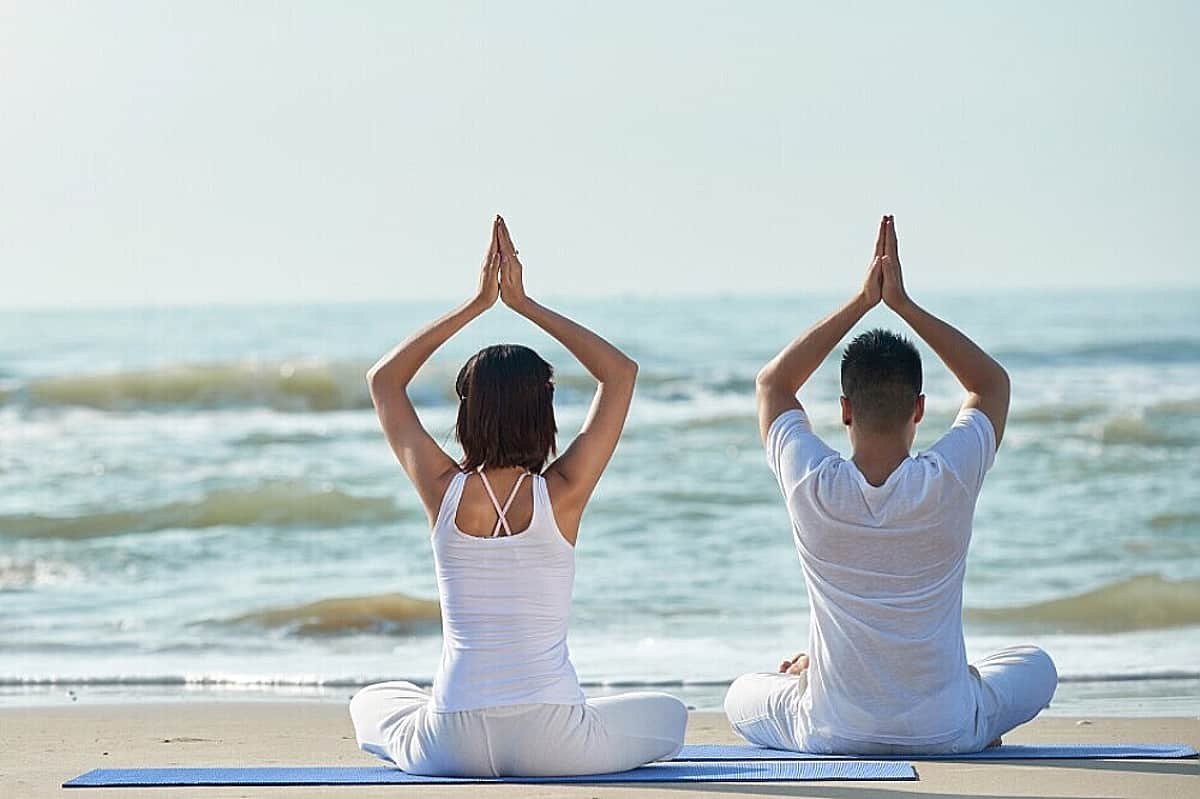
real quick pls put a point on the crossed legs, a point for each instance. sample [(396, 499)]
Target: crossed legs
[(1011, 686), (395, 722)]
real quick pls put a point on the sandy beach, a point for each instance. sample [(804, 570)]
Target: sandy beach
[(44, 746)]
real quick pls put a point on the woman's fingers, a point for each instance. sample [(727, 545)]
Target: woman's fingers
[(494, 243), (505, 238)]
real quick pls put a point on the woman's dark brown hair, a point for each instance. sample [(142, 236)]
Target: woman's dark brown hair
[(506, 409)]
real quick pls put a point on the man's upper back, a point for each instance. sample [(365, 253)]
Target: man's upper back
[(884, 567)]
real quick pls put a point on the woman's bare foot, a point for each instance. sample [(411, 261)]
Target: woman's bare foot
[(796, 664)]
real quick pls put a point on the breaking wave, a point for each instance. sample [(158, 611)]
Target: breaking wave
[(289, 385), (1157, 351), (283, 385), (18, 575), (1133, 430), (301, 681), (1161, 521), (280, 504), (385, 613), (1053, 413), (1175, 408), (1145, 602)]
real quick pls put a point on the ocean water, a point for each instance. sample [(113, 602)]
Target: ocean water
[(201, 498)]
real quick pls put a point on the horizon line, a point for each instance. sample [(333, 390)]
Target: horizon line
[(772, 294)]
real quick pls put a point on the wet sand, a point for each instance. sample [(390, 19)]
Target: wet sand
[(45, 746)]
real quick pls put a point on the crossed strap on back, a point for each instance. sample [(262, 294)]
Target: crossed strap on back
[(501, 521)]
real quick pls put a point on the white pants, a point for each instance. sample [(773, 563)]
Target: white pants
[(1011, 687), (395, 721)]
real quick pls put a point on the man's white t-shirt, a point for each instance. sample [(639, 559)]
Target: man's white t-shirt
[(884, 567)]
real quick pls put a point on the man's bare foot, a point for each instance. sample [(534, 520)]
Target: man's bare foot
[(796, 664), (996, 744)]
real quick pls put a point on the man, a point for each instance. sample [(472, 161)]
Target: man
[(883, 542)]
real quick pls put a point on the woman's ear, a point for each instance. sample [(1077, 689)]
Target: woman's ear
[(847, 414)]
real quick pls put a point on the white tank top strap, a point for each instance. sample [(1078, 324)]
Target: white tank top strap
[(543, 509), (501, 511), (450, 500)]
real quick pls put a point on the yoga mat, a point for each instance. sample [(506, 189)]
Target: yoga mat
[(715, 752), (727, 771)]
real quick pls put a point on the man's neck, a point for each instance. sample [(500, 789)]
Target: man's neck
[(878, 456)]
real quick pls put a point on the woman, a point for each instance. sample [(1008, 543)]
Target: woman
[(506, 701)]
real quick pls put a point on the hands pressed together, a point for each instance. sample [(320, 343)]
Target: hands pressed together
[(884, 279), (500, 276), (501, 273)]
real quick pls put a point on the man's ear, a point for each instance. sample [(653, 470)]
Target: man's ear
[(847, 414), (920, 411)]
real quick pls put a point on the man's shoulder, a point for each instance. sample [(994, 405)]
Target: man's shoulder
[(965, 452), (936, 468)]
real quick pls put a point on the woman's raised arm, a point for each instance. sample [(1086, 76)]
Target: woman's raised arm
[(426, 463), (574, 474)]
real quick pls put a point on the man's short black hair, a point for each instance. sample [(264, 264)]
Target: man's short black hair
[(881, 376)]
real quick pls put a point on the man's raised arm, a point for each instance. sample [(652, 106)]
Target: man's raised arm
[(782, 377), (984, 379)]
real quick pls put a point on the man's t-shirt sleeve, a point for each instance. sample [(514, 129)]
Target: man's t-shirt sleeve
[(968, 448), (793, 449)]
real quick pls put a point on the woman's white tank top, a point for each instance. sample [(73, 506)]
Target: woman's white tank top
[(505, 603)]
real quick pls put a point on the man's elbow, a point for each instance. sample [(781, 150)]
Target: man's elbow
[(628, 370), (1001, 383), (996, 385)]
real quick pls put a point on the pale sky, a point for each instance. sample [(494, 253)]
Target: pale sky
[(172, 152)]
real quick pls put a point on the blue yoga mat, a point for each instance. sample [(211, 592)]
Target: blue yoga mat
[(720, 752), (725, 771)]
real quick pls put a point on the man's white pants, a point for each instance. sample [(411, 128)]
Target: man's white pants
[(1011, 687), (395, 721)]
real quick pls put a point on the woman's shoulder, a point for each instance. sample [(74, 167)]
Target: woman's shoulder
[(445, 492)]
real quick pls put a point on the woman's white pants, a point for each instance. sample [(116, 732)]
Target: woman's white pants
[(396, 721)]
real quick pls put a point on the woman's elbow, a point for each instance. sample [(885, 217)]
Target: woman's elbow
[(764, 379), (376, 379), (622, 373)]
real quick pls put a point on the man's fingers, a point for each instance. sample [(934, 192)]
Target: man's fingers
[(879, 239), (891, 245)]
